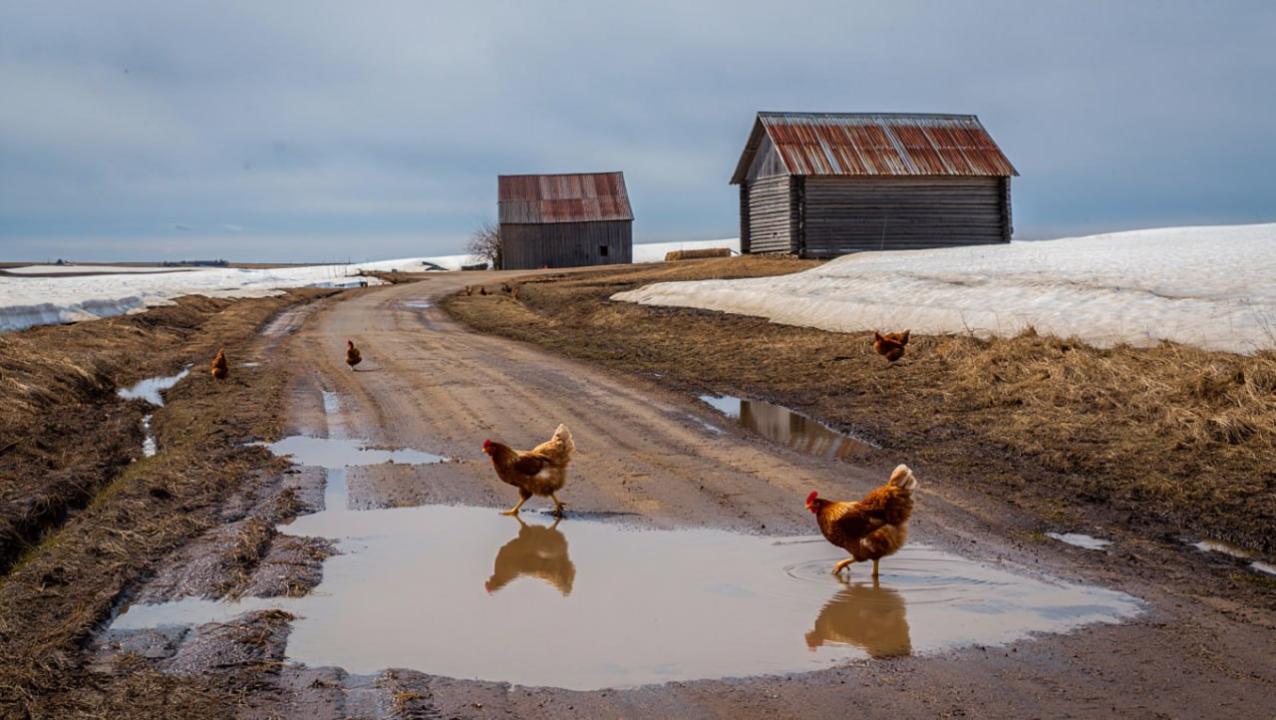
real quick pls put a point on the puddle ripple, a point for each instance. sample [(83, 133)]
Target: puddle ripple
[(467, 593), (787, 427)]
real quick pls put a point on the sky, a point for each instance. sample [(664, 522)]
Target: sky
[(317, 131)]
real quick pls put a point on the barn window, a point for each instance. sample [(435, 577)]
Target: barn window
[(602, 250)]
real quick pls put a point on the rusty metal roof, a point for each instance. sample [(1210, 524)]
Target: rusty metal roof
[(572, 197), (877, 144)]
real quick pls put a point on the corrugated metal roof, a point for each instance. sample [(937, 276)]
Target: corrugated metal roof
[(572, 197), (877, 144)]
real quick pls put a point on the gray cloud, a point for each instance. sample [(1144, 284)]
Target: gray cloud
[(325, 129)]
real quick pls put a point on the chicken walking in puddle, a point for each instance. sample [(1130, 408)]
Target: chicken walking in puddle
[(872, 528), (540, 471)]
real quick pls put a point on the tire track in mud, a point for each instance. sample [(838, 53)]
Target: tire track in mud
[(635, 455)]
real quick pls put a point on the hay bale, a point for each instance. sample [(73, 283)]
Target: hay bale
[(697, 254)]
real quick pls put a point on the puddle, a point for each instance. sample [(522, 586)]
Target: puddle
[(417, 304), (1080, 540), (149, 448), (249, 364), (150, 389), (706, 425), (787, 427), (1225, 548), (583, 604), (331, 402), (1219, 546), (338, 453)]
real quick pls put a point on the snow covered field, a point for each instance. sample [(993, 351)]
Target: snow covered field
[(1213, 287), (28, 301)]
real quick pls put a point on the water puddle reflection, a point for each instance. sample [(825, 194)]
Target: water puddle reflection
[(149, 448), (583, 604), (1080, 540), (1224, 548), (337, 453), (150, 389), (787, 427)]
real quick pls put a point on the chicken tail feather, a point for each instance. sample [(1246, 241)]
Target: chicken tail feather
[(563, 435), (903, 478)]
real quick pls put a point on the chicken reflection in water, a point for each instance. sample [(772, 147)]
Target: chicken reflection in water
[(867, 616), (537, 551)]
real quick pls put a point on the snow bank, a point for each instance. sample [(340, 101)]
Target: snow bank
[(91, 269), (28, 301), (1213, 287)]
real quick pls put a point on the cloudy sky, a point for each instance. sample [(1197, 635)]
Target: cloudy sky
[(334, 130)]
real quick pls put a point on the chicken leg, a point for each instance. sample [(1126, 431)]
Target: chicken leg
[(875, 570), (523, 495), (838, 568), (558, 506)]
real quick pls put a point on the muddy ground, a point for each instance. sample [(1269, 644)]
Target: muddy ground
[(1202, 648)]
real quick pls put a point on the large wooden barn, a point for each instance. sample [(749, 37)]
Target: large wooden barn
[(564, 220), (826, 184)]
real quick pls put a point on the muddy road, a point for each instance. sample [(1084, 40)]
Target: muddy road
[(969, 621)]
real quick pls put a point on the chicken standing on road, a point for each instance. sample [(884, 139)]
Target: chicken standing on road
[(353, 356), (540, 471)]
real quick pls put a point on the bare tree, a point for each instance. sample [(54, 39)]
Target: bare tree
[(485, 244)]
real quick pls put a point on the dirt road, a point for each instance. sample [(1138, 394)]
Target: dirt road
[(654, 458)]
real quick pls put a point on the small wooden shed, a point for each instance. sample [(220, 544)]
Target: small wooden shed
[(825, 184), (564, 220)]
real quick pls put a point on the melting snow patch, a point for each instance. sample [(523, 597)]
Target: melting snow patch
[(1204, 286)]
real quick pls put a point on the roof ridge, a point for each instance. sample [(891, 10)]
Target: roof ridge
[(563, 174)]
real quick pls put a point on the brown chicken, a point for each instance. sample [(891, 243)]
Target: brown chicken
[(540, 471), (220, 368), (872, 528), (891, 345), (353, 356)]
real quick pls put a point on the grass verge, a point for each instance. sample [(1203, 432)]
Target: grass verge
[(112, 513)]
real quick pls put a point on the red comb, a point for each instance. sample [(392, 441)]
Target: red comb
[(814, 494)]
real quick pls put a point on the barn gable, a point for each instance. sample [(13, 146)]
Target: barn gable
[(564, 220)]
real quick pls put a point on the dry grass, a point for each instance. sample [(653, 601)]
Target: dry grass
[(122, 513), (1171, 439)]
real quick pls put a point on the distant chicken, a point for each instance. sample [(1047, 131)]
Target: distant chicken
[(540, 471), (891, 345), (220, 368), (353, 356), (872, 528)]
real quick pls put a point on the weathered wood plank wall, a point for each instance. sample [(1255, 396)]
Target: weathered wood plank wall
[(571, 244)]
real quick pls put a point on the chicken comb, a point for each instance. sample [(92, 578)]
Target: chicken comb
[(811, 498)]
